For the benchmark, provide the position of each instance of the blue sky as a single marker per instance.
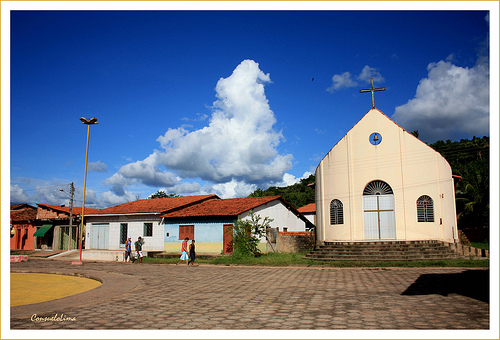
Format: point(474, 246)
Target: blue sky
point(225, 102)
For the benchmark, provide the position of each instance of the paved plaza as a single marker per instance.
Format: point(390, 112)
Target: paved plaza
point(165, 296)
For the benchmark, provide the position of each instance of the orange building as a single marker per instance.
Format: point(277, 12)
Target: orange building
point(22, 228)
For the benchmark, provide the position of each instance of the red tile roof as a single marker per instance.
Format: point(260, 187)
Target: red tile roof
point(22, 212)
point(308, 209)
point(21, 206)
point(223, 207)
point(76, 210)
point(155, 205)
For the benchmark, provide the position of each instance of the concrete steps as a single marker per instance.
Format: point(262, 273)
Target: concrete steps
point(383, 251)
point(93, 255)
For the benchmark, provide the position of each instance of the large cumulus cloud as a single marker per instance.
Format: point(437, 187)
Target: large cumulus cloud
point(450, 102)
point(234, 152)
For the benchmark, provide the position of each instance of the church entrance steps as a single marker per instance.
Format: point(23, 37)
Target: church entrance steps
point(383, 251)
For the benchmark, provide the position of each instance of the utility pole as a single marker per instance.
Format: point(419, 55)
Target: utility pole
point(72, 192)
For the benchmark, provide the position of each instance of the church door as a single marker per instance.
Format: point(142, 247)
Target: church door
point(378, 211)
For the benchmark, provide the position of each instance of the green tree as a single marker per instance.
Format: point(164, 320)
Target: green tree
point(472, 197)
point(469, 159)
point(162, 194)
point(247, 234)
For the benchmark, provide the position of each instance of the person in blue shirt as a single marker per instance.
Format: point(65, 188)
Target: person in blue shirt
point(128, 250)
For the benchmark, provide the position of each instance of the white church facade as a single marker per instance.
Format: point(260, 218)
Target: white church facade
point(380, 182)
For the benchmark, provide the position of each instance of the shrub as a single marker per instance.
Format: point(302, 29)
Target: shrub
point(247, 234)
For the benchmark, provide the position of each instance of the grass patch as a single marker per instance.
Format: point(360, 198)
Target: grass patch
point(286, 259)
point(480, 245)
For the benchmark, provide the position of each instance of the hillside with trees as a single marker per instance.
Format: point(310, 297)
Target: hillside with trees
point(298, 194)
point(469, 159)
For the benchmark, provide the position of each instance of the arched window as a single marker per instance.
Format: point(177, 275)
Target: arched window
point(425, 209)
point(377, 188)
point(336, 212)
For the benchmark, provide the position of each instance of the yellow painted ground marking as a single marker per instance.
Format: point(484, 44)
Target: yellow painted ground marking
point(28, 288)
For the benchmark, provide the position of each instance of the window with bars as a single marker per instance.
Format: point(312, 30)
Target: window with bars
point(336, 212)
point(148, 229)
point(123, 233)
point(425, 209)
point(186, 231)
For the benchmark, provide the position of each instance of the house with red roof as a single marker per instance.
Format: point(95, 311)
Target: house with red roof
point(210, 223)
point(22, 226)
point(163, 223)
point(45, 227)
point(309, 211)
point(52, 226)
point(110, 228)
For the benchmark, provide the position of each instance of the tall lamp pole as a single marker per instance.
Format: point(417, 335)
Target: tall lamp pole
point(88, 122)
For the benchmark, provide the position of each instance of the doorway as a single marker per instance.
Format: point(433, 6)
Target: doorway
point(100, 234)
point(227, 243)
point(378, 211)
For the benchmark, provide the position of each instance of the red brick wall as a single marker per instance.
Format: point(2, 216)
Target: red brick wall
point(49, 213)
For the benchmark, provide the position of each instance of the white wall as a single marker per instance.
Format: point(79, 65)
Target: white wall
point(281, 215)
point(135, 229)
point(311, 217)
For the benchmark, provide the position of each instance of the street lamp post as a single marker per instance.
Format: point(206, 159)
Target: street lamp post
point(88, 122)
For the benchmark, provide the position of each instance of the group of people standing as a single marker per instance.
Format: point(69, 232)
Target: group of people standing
point(189, 258)
point(138, 250)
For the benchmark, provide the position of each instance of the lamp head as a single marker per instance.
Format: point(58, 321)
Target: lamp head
point(89, 121)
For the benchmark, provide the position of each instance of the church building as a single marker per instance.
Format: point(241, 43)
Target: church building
point(380, 182)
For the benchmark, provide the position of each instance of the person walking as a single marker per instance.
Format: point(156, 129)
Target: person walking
point(192, 253)
point(128, 250)
point(184, 255)
point(138, 250)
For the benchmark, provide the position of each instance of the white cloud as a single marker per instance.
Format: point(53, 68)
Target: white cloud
point(49, 192)
point(109, 199)
point(235, 151)
point(98, 166)
point(145, 172)
point(199, 118)
point(345, 80)
point(17, 195)
point(340, 81)
point(289, 179)
point(232, 189)
point(369, 72)
point(451, 103)
point(184, 189)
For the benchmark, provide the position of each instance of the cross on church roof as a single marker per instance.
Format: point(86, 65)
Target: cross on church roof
point(372, 90)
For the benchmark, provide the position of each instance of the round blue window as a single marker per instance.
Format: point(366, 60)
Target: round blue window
point(375, 138)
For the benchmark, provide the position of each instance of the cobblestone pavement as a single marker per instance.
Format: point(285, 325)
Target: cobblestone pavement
point(160, 296)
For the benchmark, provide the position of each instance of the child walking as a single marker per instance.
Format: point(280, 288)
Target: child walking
point(192, 253)
point(184, 255)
